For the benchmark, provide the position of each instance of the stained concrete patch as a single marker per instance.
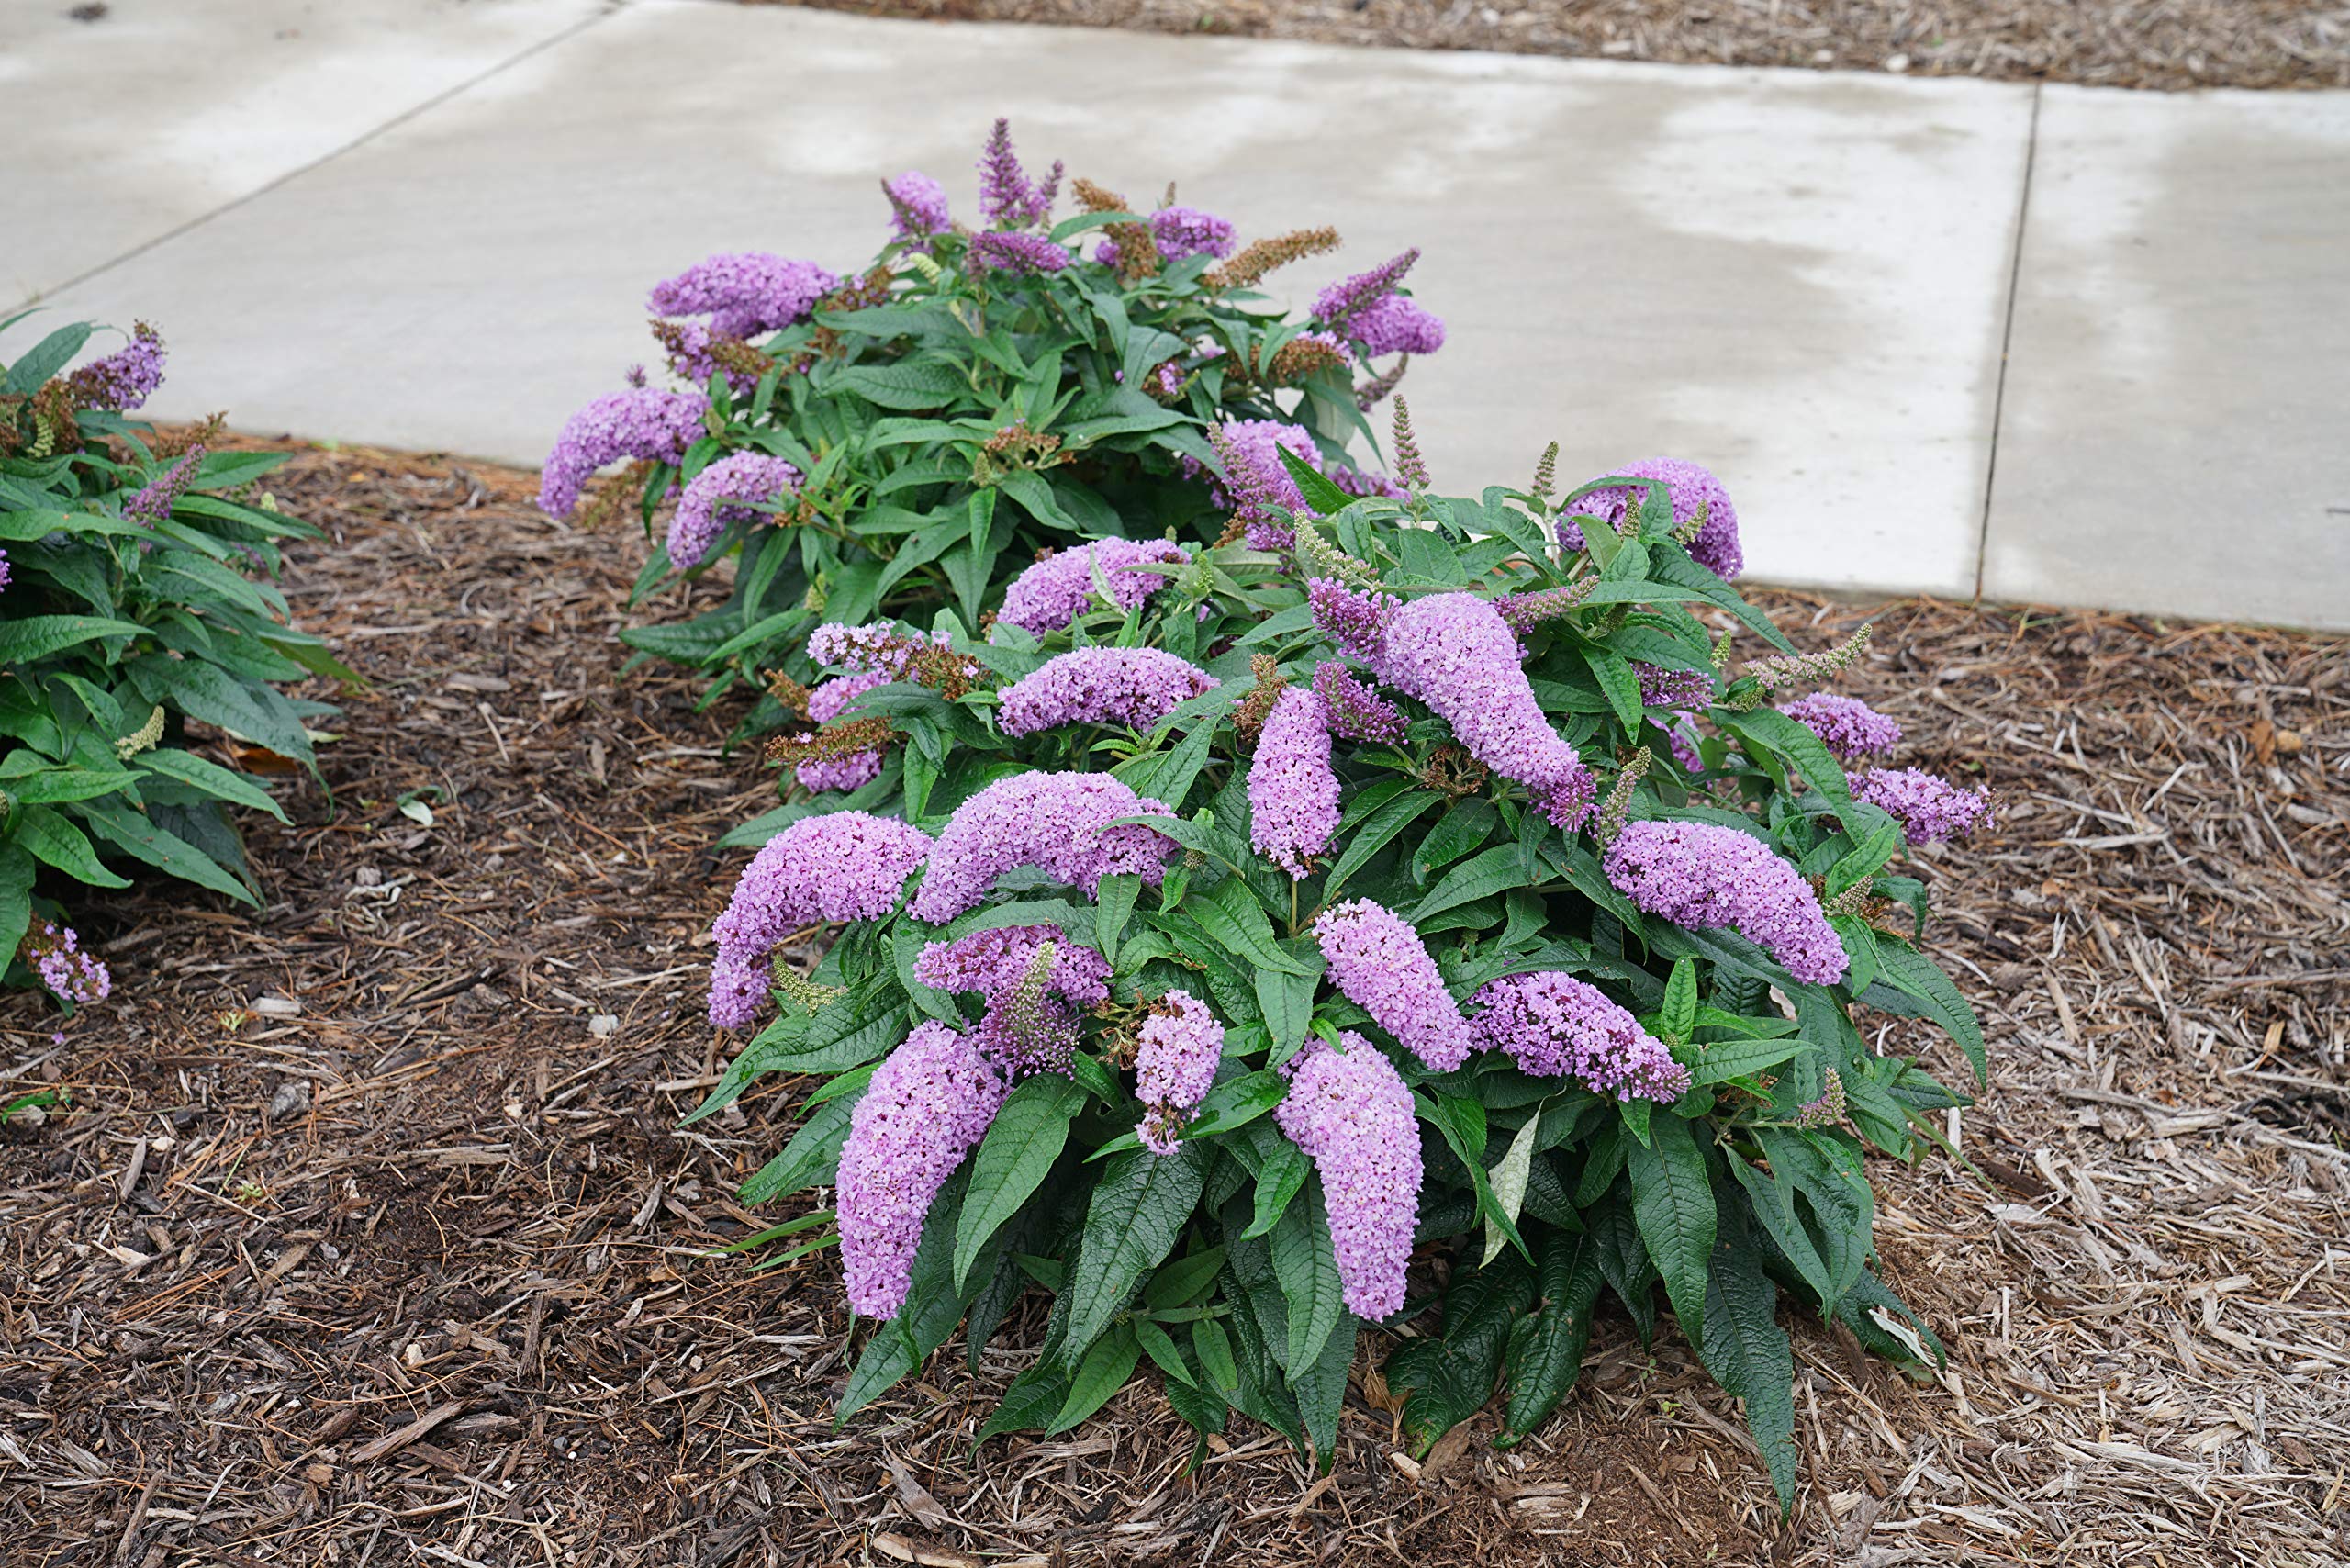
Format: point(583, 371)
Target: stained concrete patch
point(1795, 278)
point(2178, 424)
point(125, 126)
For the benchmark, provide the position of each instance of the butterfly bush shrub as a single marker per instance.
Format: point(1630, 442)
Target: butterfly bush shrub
point(137, 595)
point(1002, 381)
point(1402, 937)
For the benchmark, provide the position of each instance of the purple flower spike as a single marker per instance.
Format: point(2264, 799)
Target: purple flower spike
point(1929, 807)
point(1293, 791)
point(124, 379)
point(638, 423)
point(826, 703)
point(1356, 620)
point(1187, 231)
point(1018, 253)
point(1058, 822)
point(1379, 963)
point(994, 961)
point(1008, 198)
point(1847, 726)
point(1138, 686)
point(846, 866)
point(1396, 324)
point(744, 293)
point(1174, 1067)
point(1054, 591)
point(929, 1104)
point(1350, 1111)
point(152, 502)
point(1357, 713)
point(1555, 1026)
point(1706, 874)
point(703, 513)
point(1339, 304)
point(54, 953)
point(1454, 652)
point(1716, 548)
point(1682, 690)
point(917, 205)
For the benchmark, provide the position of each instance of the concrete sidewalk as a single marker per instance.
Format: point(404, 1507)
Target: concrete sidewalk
point(1946, 336)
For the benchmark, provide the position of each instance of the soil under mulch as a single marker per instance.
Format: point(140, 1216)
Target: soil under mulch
point(2166, 44)
point(371, 1235)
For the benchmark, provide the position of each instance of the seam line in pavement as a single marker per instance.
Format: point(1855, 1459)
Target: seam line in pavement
point(2007, 345)
point(364, 136)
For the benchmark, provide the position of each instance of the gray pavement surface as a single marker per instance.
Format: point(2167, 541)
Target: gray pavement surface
point(433, 225)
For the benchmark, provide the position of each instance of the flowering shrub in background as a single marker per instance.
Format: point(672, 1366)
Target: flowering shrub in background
point(135, 596)
point(996, 385)
point(1431, 922)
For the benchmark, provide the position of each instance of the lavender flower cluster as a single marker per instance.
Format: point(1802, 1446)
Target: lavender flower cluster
point(846, 865)
point(1454, 652)
point(1175, 1061)
point(1356, 711)
point(1716, 547)
point(993, 963)
point(1292, 789)
point(1008, 198)
point(826, 703)
point(703, 511)
point(54, 952)
point(1554, 1026)
point(1379, 963)
point(917, 207)
point(644, 422)
point(1138, 686)
point(1350, 1111)
point(1929, 807)
point(1020, 254)
point(744, 293)
point(1057, 822)
point(929, 1104)
point(124, 379)
point(1054, 591)
point(1177, 231)
point(1848, 727)
point(1706, 874)
point(152, 502)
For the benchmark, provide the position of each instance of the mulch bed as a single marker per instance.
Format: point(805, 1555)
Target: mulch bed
point(2166, 44)
point(371, 1235)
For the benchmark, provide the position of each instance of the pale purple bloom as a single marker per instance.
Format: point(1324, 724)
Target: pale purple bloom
point(1187, 231)
point(639, 423)
point(54, 953)
point(124, 379)
point(1101, 686)
point(929, 1104)
point(1929, 807)
point(1355, 619)
point(1522, 612)
point(152, 502)
point(1716, 548)
point(1292, 792)
point(1337, 304)
point(1057, 589)
point(993, 962)
point(996, 251)
point(1847, 726)
point(1827, 1108)
point(1008, 198)
point(825, 704)
point(1454, 652)
point(1058, 822)
point(1682, 690)
point(1700, 875)
point(744, 293)
point(819, 870)
point(4, 568)
point(703, 513)
point(692, 358)
point(1356, 711)
point(1350, 1111)
point(1379, 963)
point(917, 205)
point(1029, 1030)
point(875, 648)
point(1175, 1063)
point(1555, 1026)
point(1395, 323)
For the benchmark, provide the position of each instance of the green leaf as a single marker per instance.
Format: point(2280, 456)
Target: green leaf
point(1101, 1373)
point(910, 388)
point(1113, 906)
point(149, 841)
point(1034, 1396)
point(1446, 1378)
point(1727, 1060)
point(1509, 1177)
point(1680, 1012)
point(1179, 1282)
point(1618, 683)
point(1673, 1202)
point(1912, 973)
point(55, 841)
point(211, 778)
point(45, 358)
point(1490, 872)
point(1321, 1389)
point(1749, 1353)
point(1544, 1364)
point(1160, 1348)
point(1236, 1102)
point(38, 636)
point(1214, 1348)
point(1278, 1180)
point(1794, 741)
point(1137, 1211)
point(1231, 914)
point(1017, 1154)
point(1374, 835)
point(36, 784)
point(811, 1158)
point(1320, 495)
point(1306, 1264)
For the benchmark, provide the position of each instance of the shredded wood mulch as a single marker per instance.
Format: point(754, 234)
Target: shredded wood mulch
point(2163, 44)
point(370, 1235)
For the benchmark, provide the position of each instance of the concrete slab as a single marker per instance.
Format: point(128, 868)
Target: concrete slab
point(1798, 279)
point(124, 128)
point(2176, 435)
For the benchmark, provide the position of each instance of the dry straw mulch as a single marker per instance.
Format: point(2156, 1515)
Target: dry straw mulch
point(2167, 44)
point(371, 1235)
